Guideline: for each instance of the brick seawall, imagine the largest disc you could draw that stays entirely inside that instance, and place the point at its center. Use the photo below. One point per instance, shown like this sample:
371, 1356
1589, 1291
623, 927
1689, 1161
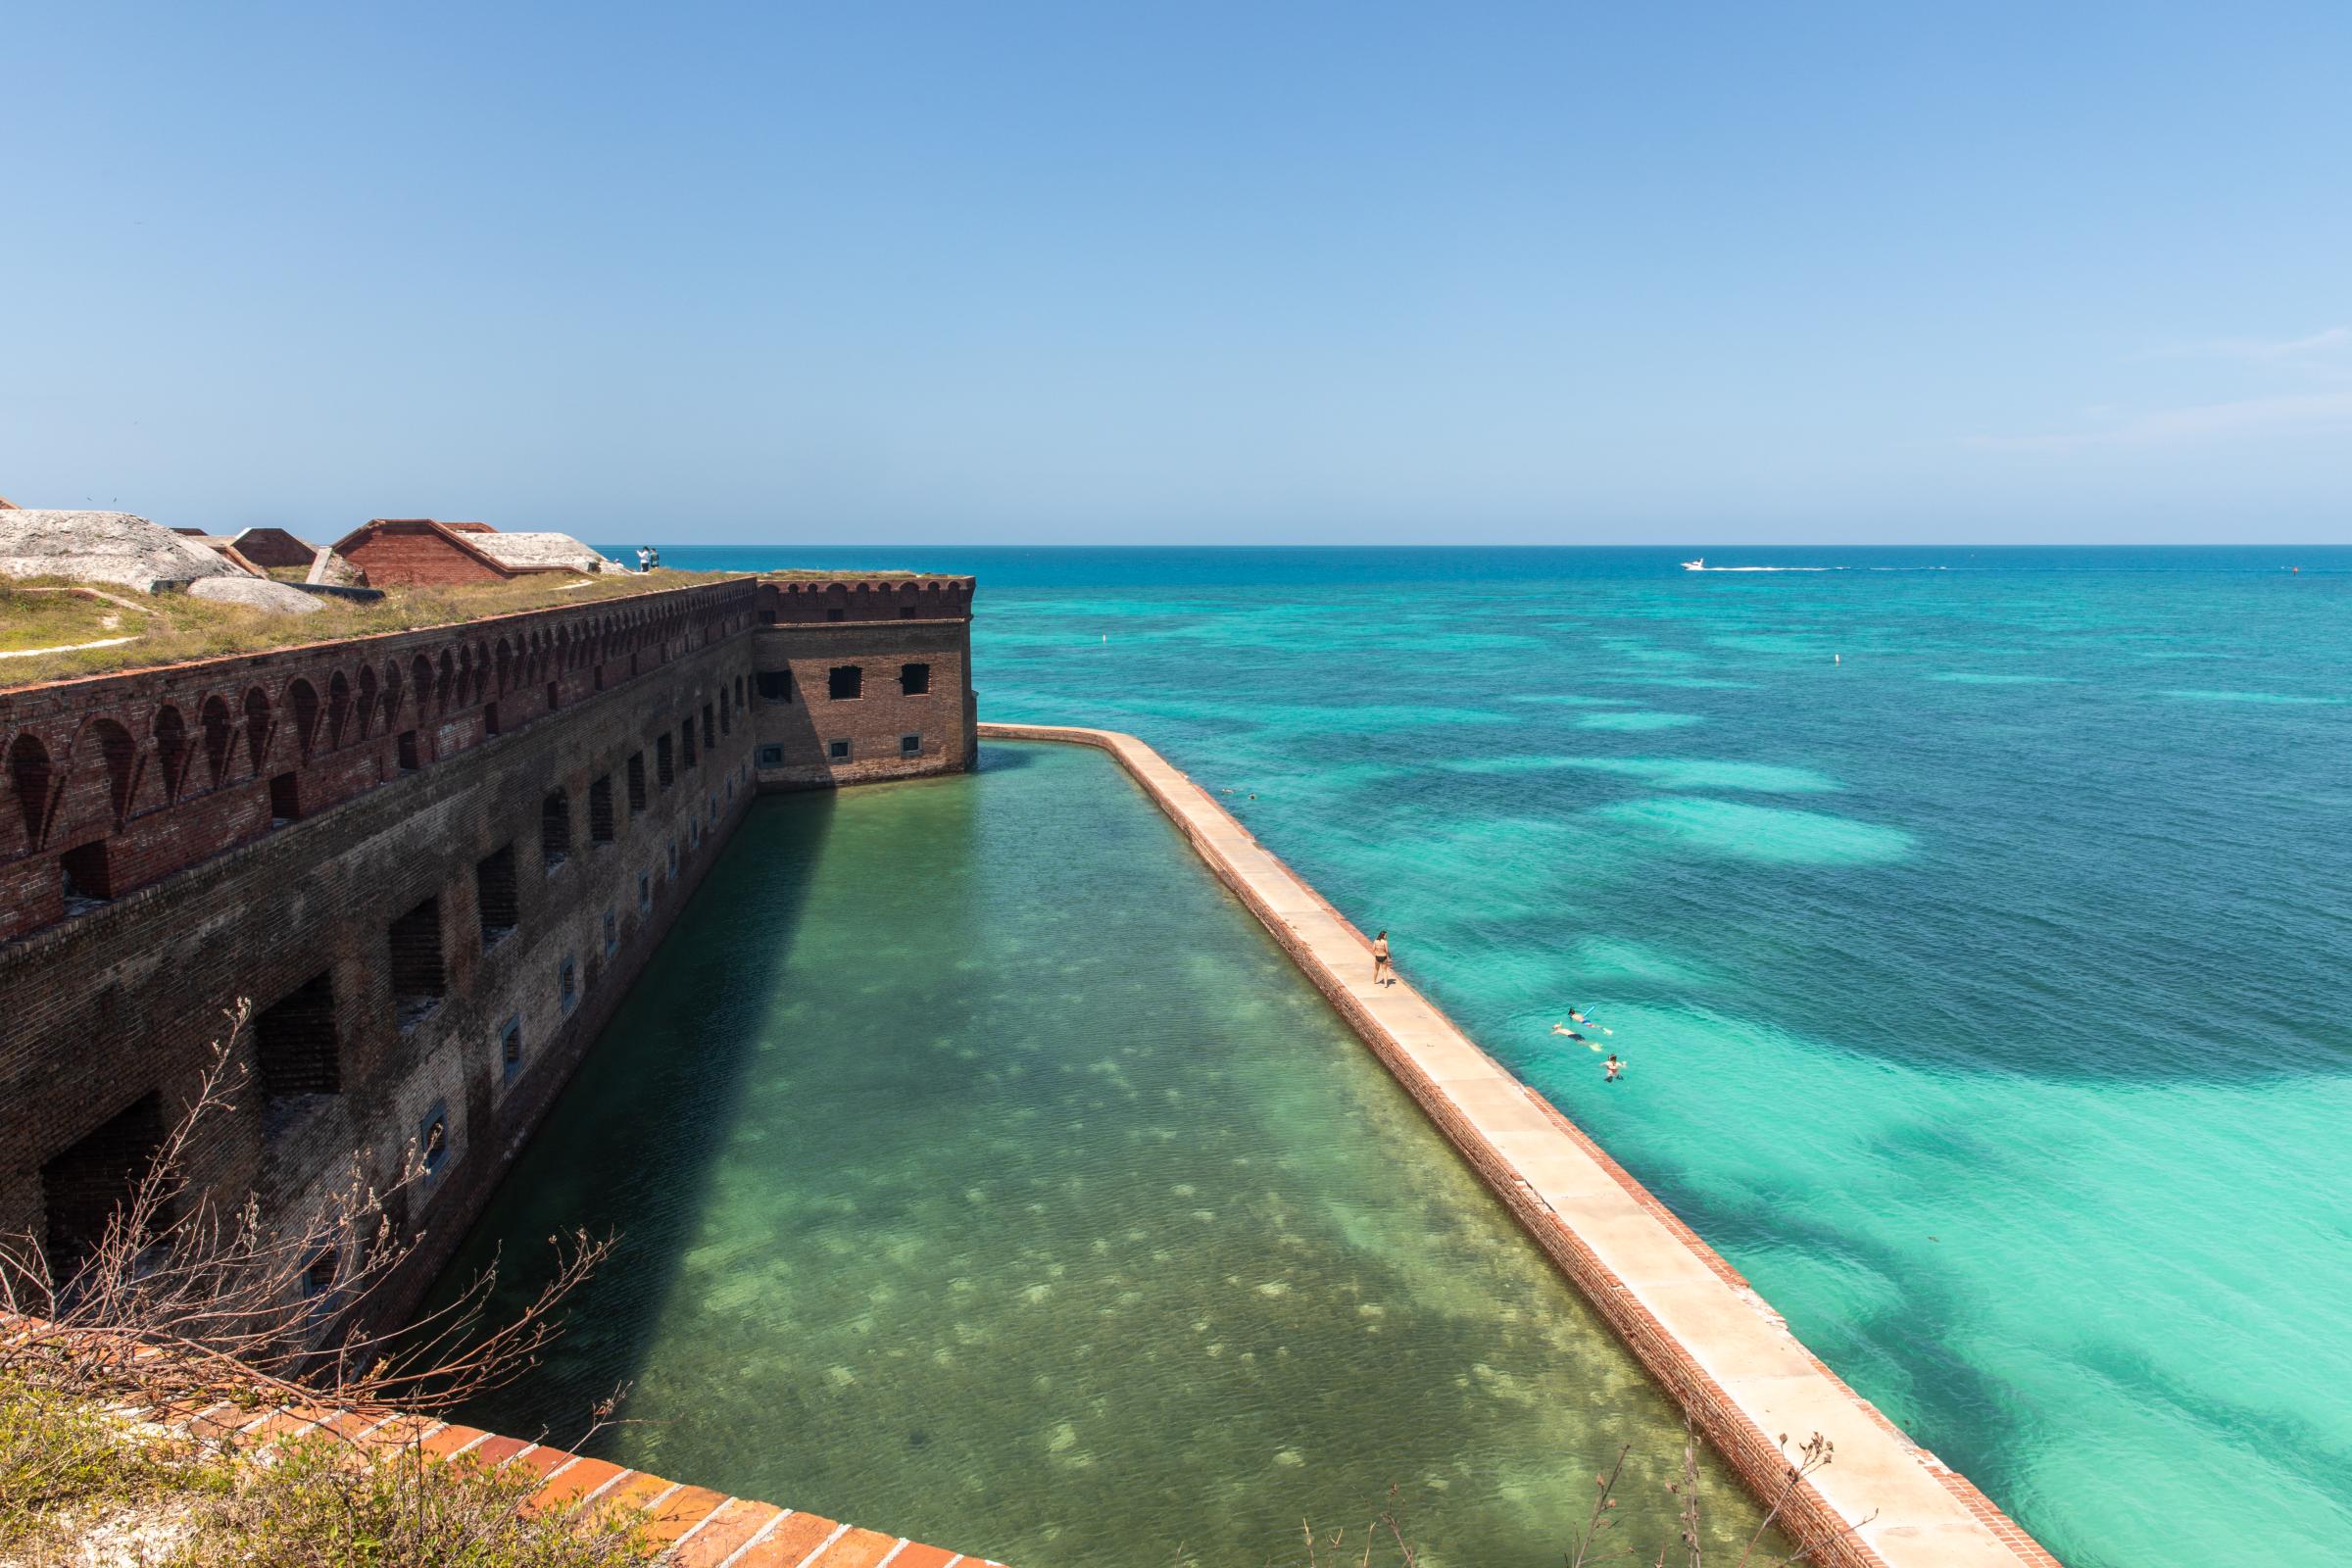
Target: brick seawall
1722, 1353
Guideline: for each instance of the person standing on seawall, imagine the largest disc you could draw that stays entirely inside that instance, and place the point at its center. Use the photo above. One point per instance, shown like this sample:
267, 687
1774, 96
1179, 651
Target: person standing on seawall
644, 559
1382, 975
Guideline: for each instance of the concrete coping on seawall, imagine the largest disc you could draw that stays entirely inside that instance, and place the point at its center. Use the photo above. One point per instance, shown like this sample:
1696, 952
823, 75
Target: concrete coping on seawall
1722, 1353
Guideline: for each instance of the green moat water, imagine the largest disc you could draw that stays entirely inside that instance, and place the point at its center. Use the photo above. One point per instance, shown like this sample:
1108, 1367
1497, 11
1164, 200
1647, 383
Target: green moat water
984, 1174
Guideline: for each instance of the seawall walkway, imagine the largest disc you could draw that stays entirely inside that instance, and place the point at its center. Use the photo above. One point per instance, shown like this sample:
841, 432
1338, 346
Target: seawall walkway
1723, 1355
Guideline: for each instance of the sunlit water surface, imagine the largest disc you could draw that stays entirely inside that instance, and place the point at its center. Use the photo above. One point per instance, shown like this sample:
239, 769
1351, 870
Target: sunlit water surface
984, 1173
1975, 922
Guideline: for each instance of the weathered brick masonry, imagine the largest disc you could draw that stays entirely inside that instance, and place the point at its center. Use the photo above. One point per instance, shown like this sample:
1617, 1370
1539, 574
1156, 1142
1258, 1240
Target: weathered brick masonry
864, 680
432, 861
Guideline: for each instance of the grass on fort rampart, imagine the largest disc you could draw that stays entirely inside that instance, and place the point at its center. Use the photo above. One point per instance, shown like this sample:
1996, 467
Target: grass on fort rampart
173, 628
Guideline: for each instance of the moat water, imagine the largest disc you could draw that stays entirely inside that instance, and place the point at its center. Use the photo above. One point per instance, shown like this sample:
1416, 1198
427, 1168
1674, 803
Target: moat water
1975, 922
984, 1173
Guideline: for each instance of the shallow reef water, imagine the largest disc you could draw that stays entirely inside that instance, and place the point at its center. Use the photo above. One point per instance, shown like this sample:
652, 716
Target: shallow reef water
984, 1173
2014, 1069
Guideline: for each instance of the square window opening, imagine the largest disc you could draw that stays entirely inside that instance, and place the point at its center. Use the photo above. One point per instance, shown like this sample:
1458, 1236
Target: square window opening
554, 829
87, 878
495, 897
84, 1186
419, 977
600, 810
294, 1040
432, 1140
845, 683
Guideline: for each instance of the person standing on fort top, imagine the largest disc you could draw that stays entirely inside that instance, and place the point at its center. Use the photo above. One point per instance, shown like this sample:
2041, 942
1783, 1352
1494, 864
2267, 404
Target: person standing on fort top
1382, 975
644, 559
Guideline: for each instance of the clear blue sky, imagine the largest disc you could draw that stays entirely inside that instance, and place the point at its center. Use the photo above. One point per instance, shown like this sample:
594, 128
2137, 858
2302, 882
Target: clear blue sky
1011, 272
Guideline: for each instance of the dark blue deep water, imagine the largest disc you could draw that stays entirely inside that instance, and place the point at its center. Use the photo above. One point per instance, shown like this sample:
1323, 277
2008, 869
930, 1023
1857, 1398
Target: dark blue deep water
1976, 924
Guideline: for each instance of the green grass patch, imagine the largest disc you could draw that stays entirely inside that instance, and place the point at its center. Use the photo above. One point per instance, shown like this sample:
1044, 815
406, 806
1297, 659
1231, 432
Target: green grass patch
72, 1471
34, 619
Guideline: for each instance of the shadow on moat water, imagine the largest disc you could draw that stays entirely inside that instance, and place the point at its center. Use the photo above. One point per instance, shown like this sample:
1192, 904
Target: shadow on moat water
627, 1148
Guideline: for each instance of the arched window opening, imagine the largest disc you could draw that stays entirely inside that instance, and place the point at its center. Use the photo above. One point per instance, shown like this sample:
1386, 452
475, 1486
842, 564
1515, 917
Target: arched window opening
302, 698
28, 774
120, 754
338, 708
365, 707
172, 749
219, 734
257, 727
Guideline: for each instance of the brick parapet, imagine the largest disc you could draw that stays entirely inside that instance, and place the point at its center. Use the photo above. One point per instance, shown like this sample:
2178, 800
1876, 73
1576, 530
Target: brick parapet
810, 601
162, 768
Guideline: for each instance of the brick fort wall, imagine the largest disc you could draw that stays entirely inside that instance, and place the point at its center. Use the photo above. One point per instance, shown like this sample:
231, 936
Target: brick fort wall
432, 861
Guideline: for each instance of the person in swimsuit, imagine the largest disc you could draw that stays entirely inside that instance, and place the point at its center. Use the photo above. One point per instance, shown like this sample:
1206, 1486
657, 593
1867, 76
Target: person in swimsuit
1382, 975
1615, 1068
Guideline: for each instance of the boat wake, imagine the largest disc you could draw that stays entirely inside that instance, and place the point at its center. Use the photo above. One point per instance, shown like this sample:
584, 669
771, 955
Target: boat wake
1701, 566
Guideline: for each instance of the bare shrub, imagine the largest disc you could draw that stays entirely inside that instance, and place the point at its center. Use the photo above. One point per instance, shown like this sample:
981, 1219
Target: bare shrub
184, 1304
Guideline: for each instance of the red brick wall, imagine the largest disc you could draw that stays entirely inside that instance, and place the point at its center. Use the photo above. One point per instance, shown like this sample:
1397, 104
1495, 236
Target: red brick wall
211, 901
274, 546
401, 556
796, 736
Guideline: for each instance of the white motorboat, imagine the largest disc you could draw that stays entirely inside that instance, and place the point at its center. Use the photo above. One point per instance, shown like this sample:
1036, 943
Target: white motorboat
1701, 565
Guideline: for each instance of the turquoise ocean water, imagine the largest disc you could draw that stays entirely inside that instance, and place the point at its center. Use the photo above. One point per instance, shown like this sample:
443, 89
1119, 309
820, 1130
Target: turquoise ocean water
1974, 922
